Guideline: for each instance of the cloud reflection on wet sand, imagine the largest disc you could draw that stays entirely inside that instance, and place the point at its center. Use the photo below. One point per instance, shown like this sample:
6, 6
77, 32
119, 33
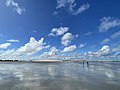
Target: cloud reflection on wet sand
59, 76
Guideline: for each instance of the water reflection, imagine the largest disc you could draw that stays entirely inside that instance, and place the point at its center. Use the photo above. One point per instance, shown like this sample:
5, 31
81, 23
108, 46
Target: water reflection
61, 76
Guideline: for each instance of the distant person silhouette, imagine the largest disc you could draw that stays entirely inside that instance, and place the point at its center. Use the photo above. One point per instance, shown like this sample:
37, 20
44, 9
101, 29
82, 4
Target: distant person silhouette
87, 64
83, 63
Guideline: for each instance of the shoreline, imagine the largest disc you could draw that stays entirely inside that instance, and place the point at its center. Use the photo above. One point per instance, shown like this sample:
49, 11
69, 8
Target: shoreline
54, 61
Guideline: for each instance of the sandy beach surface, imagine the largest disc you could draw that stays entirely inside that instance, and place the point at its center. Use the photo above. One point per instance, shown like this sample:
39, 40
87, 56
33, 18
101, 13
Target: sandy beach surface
60, 76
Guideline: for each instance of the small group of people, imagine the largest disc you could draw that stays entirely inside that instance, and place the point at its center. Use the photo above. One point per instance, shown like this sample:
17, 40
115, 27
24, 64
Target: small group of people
86, 63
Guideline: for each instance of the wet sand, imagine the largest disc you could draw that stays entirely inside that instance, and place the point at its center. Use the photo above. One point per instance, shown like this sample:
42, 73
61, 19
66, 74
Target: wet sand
60, 76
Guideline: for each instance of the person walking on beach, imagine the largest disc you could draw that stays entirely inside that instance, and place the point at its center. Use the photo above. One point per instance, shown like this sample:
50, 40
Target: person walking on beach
87, 64
83, 63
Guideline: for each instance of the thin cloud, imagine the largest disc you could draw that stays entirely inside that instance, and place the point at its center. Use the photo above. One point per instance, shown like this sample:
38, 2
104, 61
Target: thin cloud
105, 41
70, 6
15, 6
116, 49
108, 23
115, 35
82, 45
1, 35
5, 45
34, 31
81, 9
13, 40
88, 33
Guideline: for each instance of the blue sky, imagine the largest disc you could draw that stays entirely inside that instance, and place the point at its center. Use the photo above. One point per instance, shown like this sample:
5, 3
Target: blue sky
60, 29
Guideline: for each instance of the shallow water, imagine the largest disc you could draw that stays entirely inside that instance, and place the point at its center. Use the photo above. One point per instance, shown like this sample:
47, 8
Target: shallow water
60, 76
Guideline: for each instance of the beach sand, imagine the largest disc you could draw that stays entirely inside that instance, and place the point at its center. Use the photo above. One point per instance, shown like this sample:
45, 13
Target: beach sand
60, 76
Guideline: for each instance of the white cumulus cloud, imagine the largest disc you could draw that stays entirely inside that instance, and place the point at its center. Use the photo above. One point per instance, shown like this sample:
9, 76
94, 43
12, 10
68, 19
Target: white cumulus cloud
32, 46
105, 50
5, 45
107, 23
66, 39
58, 31
15, 6
24, 52
69, 48
8, 54
52, 52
